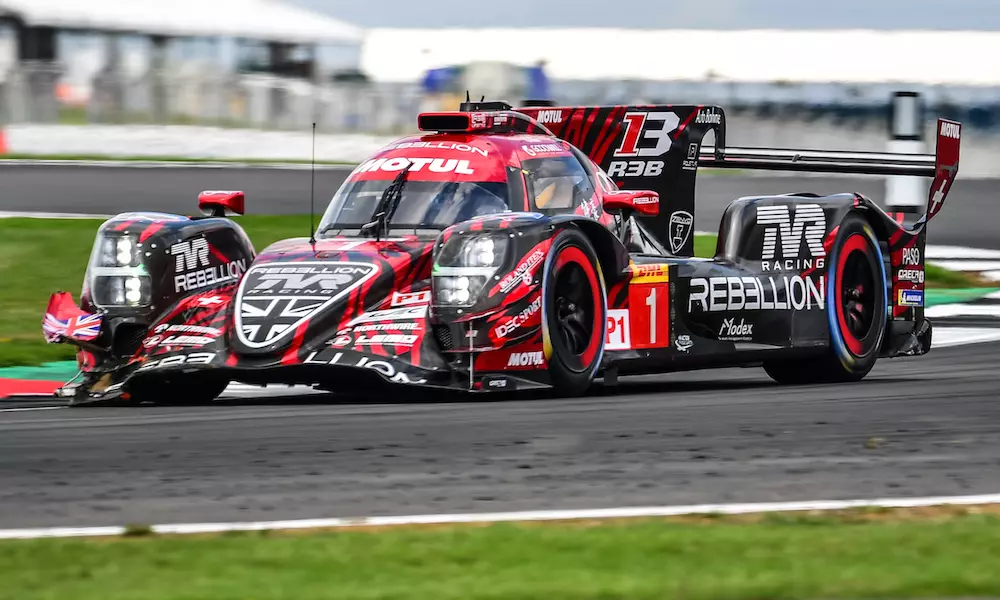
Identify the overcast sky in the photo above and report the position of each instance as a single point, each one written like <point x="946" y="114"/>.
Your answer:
<point x="663" y="14"/>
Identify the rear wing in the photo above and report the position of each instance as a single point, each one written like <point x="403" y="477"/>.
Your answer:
<point x="942" y="165"/>
<point x="658" y="147"/>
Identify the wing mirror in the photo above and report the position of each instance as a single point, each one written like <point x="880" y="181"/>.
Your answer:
<point x="644" y="202"/>
<point x="221" y="204"/>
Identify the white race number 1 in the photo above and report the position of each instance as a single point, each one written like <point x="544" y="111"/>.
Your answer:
<point x="651" y="303"/>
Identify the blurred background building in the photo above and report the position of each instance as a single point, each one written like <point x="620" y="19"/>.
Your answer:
<point x="776" y="65"/>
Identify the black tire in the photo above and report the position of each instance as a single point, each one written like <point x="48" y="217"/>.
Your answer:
<point x="574" y="313"/>
<point x="856" y="307"/>
<point x="198" y="392"/>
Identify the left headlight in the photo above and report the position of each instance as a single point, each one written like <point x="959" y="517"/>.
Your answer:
<point x="464" y="266"/>
<point x="117" y="275"/>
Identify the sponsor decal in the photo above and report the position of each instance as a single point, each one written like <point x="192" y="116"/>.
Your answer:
<point x="195" y="329"/>
<point x="731" y="331"/>
<point x="391" y="339"/>
<point x="911" y="256"/>
<point x="439" y="146"/>
<point x="951" y="130"/>
<point x="647" y="134"/>
<point x="411" y="298"/>
<point x="691" y="162"/>
<point x="549" y="116"/>
<point x="590" y="208"/>
<point x="681" y="224"/>
<point x="195" y="358"/>
<point x="684" y="343"/>
<point x="809" y="224"/>
<point x="383" y="367"/>
<point x="210" y="301"/>
<point x="536" y="149"/>
<point x="912" y="275"/>
<point x="497" y="383"/>
<point x="384" y="327"/>
<point x="635" y="168"/>
<point x="433" y="165"/>
<point x="619" y="332"/>
<point x="276" y="298"/>
<point x="526" y="359"/>
<point x="411" y="313"/>
<point x="514" y="323"/>
<point x="341" y="341"/>
<point x="790" y="292"/>
<point x="649" y="273"/>
<point x="793" y="264"/>
<point x="523" y="273"/>
<point x="191" y="256"/>
<point x="709" y="116"/>
<point x="911" y="297"/>
<point x="478" y="120"/>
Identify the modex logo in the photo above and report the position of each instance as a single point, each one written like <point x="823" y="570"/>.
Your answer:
<point x="653" y="126"/>
<point x="526" y="359"/>
<point x="809" y="223"/>
<point x="733" y="331"/>
<point x="190" y="254"/>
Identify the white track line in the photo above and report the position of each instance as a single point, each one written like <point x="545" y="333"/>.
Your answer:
<point x="8" y="410"/>
<point x="537" y="515"/>
<point x="959" y="252"/>
<point x="945" y="337"/>
<point x="963" y="310"/>
<point x="48" y="215"/>
<point x="968" y="265"/>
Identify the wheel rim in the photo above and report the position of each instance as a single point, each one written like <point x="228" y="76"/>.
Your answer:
<point x="857" y="295"/>
<point x="574" y="309"/>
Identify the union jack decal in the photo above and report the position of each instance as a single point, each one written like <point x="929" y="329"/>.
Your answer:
<point x="84" y="327"/>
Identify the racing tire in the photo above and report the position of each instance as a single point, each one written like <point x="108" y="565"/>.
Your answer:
<point x="178" y="393"/>
<point x="574" y="313"/>
<point x="856" y="310"/>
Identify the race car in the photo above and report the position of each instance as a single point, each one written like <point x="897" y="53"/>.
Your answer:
<point x="502" y="250"/>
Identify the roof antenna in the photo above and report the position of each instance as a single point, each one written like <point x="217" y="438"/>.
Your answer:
<point x="467" y="99"/>
<point x="312" y="191"/>
<point x="483" y="99"/>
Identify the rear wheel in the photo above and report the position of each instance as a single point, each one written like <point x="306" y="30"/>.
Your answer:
<point x="856" y="307"/>
<point x="574" y="309"/>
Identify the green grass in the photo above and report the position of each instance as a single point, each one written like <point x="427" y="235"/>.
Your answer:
<point x="869" y="556"/>
<point x="38" y="257"/>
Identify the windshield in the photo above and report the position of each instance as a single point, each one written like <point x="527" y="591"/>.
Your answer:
<point x="423" y="204"/>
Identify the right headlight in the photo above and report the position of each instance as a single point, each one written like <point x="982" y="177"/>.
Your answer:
<point x="463" y="267"/>
<point x="117" y="275"/>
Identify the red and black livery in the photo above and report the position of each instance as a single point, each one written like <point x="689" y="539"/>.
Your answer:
<point x="508" y="249"/>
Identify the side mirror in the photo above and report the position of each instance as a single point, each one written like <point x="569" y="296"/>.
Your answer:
<point x="221" y="204"/>
<point x="644" y="202"/>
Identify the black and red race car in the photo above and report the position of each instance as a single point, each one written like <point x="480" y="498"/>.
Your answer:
<point x="508" y="249"/>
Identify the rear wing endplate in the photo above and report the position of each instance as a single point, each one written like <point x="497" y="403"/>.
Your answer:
<point x="942" y="165"/>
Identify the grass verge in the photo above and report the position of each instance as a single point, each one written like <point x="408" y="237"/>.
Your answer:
<point x="858" y="554"/>
<point x="40" y="256"/>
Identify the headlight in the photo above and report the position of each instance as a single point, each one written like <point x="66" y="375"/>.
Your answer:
<point x="463" y="267"/>
<point x="117" y="275"/>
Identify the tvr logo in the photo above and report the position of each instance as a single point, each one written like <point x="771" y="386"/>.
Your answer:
<point x="809" y="222"/>
<point x="640" y="126"/>
<point x="190" y="254"/>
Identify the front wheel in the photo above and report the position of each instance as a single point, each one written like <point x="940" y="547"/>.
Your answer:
<point x="856" y="309"/>
<point x="574" y="313"/>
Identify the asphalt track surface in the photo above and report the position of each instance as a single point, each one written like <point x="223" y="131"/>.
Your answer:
<point x="969" y="219"/>
<point x="916" y="427"/>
